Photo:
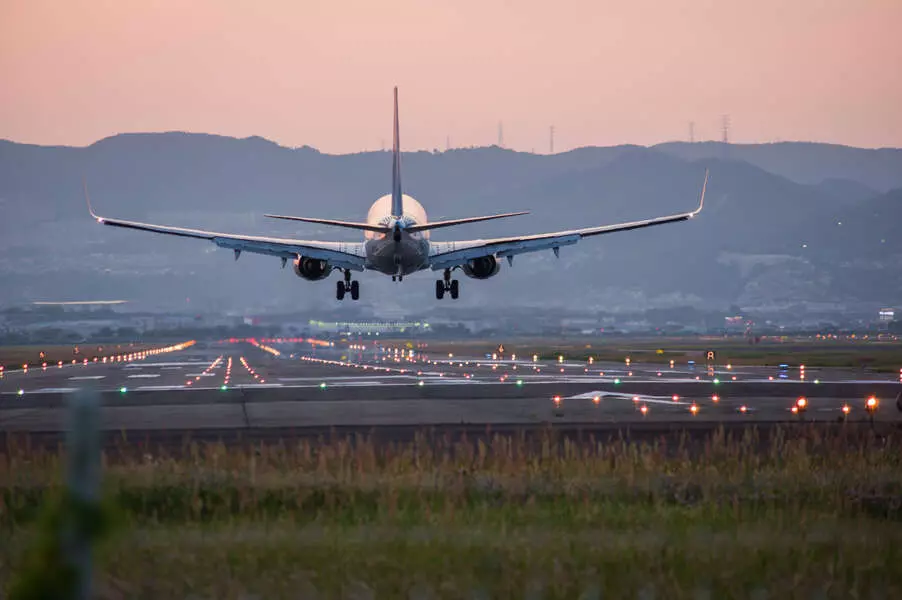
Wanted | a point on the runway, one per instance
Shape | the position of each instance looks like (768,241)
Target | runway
(252,388)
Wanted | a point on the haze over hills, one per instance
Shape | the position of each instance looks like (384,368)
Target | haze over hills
(765,238)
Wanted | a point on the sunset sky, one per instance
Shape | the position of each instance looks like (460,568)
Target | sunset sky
(320,72)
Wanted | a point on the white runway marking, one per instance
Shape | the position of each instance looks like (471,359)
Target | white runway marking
(144,376)
(85,377)
(201,375)
(618,395)
(159,388)
(348,378)
(54,391)
(195,363)
(259,385)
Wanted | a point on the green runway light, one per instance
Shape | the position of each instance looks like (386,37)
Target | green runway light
(716,380)
(123,389)
(817,381)
(21,392)
(421,383)
(223,388)
(617,380)
(520,382)
(322,386)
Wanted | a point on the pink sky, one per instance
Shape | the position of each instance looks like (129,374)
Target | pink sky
(320,72)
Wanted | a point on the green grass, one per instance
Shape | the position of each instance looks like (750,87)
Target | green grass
(807,510)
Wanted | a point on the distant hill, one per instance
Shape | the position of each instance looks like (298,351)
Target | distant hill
(805,162)
(754,243)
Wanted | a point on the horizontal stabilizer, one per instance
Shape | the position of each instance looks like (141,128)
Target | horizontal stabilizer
(453,222)
(346,224)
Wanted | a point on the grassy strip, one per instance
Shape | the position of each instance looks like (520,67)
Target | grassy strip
(811,510)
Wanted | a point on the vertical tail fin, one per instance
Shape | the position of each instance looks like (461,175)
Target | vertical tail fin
(397,208)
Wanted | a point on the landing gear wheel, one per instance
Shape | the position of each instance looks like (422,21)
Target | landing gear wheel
(340,290)
(439,289)
(455,289)
(355,290)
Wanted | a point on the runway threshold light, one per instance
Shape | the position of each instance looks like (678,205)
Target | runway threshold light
(871,405)
(801,405)
(123,389)
(644,410)
(694,409)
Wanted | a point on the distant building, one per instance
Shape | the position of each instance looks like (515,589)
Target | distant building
(887,315)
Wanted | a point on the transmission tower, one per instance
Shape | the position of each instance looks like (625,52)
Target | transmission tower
(725,128)
(551,141)
(691,132)
(500,134)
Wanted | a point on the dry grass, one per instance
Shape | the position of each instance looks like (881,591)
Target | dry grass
(812,511)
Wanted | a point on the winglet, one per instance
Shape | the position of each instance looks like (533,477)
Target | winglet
(701,200)
(88,201)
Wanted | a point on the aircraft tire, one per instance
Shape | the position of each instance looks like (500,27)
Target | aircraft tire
(439,289)
(340,290)
(455,289)
(355,290)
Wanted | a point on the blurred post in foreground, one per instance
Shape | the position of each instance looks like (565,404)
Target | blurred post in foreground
(83,488)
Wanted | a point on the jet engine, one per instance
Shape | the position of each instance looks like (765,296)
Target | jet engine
(311,269)
(482,267)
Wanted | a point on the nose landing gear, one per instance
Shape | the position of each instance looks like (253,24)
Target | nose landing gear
(447,285)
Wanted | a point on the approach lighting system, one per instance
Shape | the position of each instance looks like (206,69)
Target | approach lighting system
(801,405)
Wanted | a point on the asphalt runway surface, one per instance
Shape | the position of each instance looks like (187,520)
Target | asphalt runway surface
(240,389)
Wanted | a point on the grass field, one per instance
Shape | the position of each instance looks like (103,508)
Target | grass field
(858,354)
(14,357)
(808,512)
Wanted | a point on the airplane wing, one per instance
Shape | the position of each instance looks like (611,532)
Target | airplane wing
(446,255)
(341,255)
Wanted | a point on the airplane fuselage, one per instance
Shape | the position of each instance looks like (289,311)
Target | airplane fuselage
(400,252)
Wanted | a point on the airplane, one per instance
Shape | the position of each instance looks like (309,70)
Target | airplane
(397,240)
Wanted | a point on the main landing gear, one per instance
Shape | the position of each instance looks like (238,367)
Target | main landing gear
(447,285)
(342,287)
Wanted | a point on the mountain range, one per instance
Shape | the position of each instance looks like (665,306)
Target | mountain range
(786,224)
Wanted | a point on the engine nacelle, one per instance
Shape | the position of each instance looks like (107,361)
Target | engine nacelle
(311,269)
(482,267)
